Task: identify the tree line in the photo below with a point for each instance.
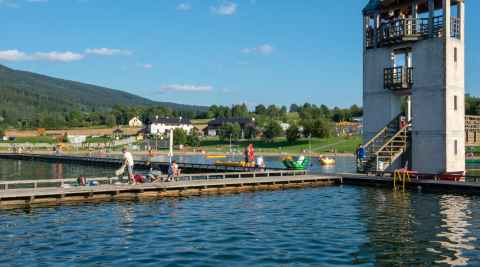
(120, 115)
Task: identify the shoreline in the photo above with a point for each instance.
(184, 153)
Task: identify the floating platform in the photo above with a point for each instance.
(139, 164)
(428, 185)
(35, 193)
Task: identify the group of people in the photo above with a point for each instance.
(152, 176)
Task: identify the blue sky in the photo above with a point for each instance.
(203, 51)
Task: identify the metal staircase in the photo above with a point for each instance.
(385, 147)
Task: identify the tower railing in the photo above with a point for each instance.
(398, 78)
(410, 29)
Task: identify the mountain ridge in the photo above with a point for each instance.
(29, 88)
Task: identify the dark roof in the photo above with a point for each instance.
(222, 121)
(371, 6)
(171, 120)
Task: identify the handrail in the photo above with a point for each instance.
(384, 129)
(401, 131)
(190, 177)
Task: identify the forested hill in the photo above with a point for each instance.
(24, 93)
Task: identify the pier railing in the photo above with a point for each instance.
(62, 183)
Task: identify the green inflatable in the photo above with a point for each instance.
(296, 164)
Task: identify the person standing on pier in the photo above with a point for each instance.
(128, 162)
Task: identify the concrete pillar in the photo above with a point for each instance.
(447, 17)
(414, 9)
(376, 28)
(461, 16)
(431, 14)
(364, 30)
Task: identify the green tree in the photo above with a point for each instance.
(272, 130)
(110, 120)
(240, 111)
(230, 131)
(193, 139)
(250, 132)
(179, 136)
(320, 127)
(293, 133)
(260, 110)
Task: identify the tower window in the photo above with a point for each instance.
(455, 56)
(456, 147)
(455, 103)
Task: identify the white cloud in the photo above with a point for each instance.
(264, 49)
(16, 55)
(9, 3)
(186, 88)
(107, 51)
(13, 55)
(146, 66)
(184, 7)
(224, 9)
(58, 56)
(37, 1)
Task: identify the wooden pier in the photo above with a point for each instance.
(416, 183)
(34, 193)
(117, 162)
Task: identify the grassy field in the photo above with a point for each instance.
(280, 145)
(33, 140)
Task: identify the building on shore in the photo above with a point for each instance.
(135, 122)
(161, 126)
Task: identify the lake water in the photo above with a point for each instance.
(329, 226)
(26, 170)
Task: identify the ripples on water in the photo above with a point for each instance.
(320, 226)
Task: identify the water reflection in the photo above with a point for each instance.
(456, 237)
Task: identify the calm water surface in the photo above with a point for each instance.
(26, 170)
(339, 225)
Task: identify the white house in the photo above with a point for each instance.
(163, 125)
(135, 122)
(284, 126)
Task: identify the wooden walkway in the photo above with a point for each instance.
(54, 192)
(117, 162)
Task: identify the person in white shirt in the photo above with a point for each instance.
(128, 162)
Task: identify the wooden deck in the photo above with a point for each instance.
(53, 192)
(117, 162)
(415, 183)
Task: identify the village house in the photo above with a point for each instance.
(162, 125)
(135, 122)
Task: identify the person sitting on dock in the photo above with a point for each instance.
(128, 162)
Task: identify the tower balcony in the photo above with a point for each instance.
(410, 30)
(398, 79)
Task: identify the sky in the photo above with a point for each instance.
(204, 52)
